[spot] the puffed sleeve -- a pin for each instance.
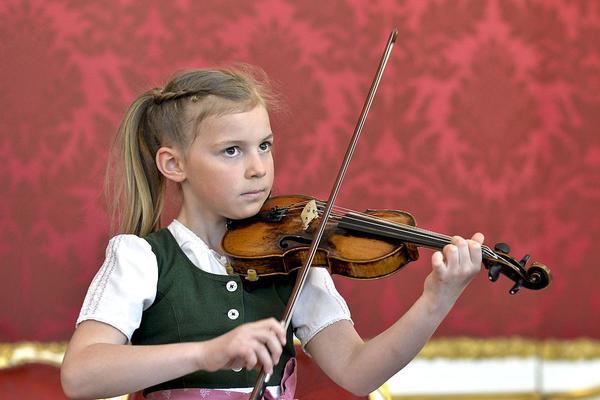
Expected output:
(319, 306)
(124, 286)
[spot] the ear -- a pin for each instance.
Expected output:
(169, 163)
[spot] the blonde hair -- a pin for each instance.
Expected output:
(165, 117)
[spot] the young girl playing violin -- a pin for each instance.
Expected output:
(163, 315)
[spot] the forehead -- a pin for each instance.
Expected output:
(236, 125)
(211, 106)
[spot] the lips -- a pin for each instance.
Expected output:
(254, 193)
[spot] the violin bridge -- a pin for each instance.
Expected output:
(309, 214)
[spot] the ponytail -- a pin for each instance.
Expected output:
(139, 197)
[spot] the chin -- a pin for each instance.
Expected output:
(246, 212)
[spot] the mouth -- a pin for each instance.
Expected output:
(254, 194)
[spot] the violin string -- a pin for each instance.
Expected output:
(351, 215)
(361, 219)
(423, 236)
(405, 233)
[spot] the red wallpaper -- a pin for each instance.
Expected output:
(487, 119)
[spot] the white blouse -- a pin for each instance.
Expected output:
(126, 285)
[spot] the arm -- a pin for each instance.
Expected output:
(361, 367)
(99, 363)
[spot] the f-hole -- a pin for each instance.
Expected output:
(294, 240)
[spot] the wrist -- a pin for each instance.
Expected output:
(436, 304)
(198, 355)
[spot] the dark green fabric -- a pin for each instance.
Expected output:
(192, 305)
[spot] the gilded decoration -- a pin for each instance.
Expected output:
(17, 354)
(22, 353)
(578, 394)
(471, 348)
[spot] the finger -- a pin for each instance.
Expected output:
(463, 250)
(236, 364)
(271, 326)
(437, 262)
(451, 256)
(475, 251)
(278, 328)
(250, 358)
(274, 347)
(264, 357)
(266, 336)
(478, 237)
(265, 331)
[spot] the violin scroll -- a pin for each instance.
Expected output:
(536, 277)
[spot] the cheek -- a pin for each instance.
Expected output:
(271, 165)
(224, 184)
(221, 173)
(215, 182)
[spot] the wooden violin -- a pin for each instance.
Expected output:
(356, 245)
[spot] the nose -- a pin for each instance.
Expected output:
(256, 165)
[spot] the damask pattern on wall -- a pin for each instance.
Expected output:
(487, 119)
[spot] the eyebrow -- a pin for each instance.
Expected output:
(269, 137)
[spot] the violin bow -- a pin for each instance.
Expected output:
(263, 377)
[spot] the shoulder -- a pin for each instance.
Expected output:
(127, 247)
(126, 253)
(127, 240)
(128, 257)
(158, 237)
(124, 286)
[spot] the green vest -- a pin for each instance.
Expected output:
(194, 305)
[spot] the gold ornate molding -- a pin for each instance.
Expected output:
(472, 348)
(487, 396)
(575, 394)
(383, 394)
(580, 349)
(16, 354)
(22, 353)
(475, 348)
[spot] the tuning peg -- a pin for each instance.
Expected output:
(494, 272)
(524, 260)
(502, 248)
(516, 287)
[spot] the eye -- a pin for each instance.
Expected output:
(231, 151)
(265, 146)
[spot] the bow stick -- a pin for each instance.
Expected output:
(263, 377)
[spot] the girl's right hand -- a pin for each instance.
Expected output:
(253, 345)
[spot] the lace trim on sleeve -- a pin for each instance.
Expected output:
(98, 285)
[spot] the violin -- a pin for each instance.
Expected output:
(358, 245)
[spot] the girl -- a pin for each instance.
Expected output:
(163, 315)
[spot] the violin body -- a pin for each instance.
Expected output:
(276, 242)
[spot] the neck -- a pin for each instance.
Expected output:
(420, 237)
(210, 230)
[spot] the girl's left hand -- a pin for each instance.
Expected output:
(454, 268)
